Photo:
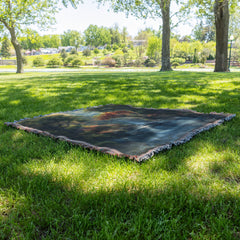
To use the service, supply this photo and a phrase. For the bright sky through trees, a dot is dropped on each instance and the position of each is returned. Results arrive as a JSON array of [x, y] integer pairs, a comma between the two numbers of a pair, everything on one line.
[[89, 13]]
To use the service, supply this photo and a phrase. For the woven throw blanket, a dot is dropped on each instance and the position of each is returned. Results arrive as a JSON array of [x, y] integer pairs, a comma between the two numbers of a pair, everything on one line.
[[123, 130]]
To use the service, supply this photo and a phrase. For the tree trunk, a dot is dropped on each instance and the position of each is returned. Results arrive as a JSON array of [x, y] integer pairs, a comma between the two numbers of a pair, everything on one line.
[[221, 12], [165, 8], [17, 48]]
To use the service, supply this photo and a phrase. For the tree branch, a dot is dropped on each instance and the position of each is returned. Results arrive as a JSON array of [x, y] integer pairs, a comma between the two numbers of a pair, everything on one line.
[[5, 23]]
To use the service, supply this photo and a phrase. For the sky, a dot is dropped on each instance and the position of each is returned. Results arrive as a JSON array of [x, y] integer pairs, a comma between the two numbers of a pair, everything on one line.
[[88, 13]]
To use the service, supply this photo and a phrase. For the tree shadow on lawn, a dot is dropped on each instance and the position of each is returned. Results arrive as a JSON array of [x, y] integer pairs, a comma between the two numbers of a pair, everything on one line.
[[47, 204], [71, 91], [162, 198]]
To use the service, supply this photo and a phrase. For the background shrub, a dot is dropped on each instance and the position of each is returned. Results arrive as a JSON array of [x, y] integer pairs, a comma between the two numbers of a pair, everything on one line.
[[150, 62], [203, 59], [109, 48], [115, 46], [109, 61], [119, 60], [130, 63], [175, 64], [74, 51], [68, 60], [97, 62], [118, 52], [73, 61], [126, 58], [76, 62], [96, 50], [178, 60], [86, 52], [24, 60], [125, 50], [38, 62], [63, 54], [54, 62], [138, 62], [105, 51]]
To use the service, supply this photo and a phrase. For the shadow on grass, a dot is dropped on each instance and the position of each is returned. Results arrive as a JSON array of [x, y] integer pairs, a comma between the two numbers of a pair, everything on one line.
[[106, 197], [46, 206], [55, 92]]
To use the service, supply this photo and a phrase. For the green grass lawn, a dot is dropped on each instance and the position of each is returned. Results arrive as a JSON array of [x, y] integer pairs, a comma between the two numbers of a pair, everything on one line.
[[52, 190]]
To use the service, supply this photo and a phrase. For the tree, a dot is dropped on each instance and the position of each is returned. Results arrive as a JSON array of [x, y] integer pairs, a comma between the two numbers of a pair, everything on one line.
[[31, 41], [144, 35], [5, 49], [234, 25], [97, 36], [205, 32], [154, 48], [124, 35], [221, 10], [165, 9], [115, 35], [15, 15], [51, 41], [144, 9], [63, 54], [186, 38], [72, 38]]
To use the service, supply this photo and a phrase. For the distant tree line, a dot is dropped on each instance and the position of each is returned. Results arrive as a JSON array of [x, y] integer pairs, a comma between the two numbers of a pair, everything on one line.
[[17, 15], [93, 36], [195, 48]]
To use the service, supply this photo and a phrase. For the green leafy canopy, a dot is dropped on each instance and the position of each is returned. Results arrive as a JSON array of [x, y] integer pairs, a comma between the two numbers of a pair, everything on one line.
[[204, 6], [21, 13]]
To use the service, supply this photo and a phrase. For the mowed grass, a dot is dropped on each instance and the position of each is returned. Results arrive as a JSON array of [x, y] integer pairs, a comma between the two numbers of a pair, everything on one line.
[[52, 190]]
